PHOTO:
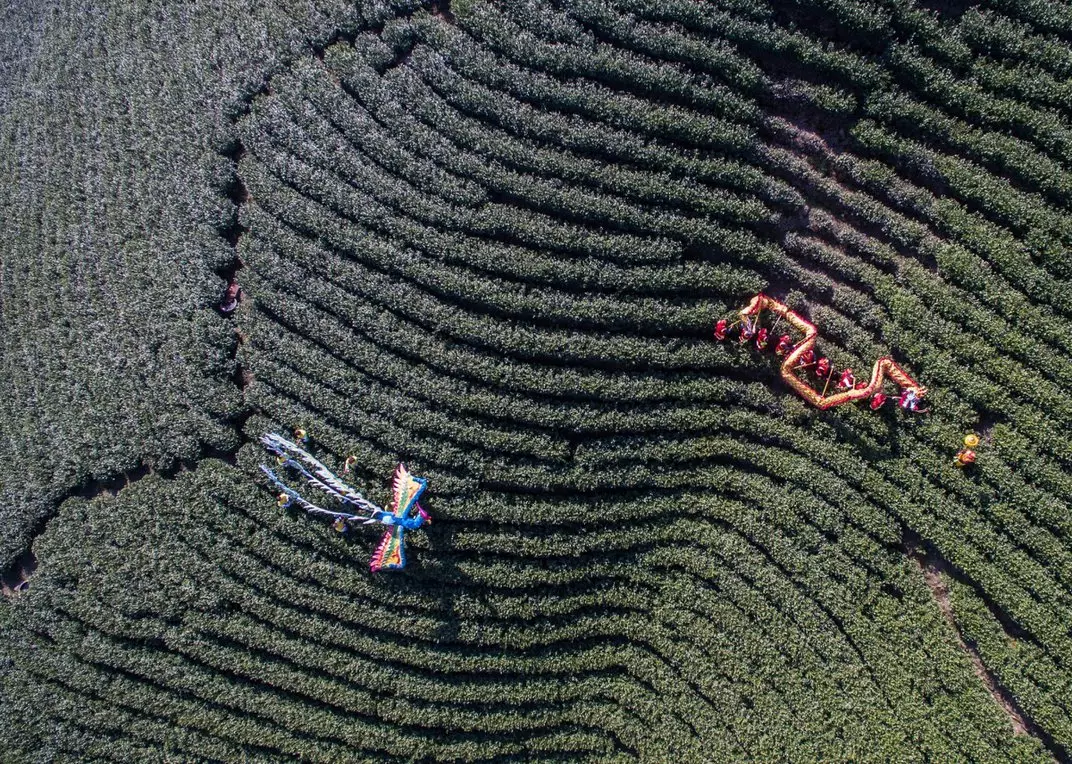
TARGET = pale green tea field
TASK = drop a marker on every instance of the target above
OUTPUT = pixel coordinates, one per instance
(492, 240)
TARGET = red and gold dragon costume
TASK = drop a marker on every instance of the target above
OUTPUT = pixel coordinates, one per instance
(885, 367)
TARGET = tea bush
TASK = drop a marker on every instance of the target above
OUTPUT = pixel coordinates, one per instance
(491, 240)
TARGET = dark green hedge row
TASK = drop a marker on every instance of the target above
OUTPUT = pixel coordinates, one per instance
(114, 203)
(492, 241)
(267, 599)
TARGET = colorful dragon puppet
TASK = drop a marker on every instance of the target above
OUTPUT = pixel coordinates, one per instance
(406, 514)
(801, 356)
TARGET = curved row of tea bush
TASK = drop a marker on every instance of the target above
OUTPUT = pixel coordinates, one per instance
(491, 241)
(117, 199)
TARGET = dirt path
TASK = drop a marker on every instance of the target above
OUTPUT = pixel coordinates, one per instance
(936, 570)
(16, 579)
(933, 570)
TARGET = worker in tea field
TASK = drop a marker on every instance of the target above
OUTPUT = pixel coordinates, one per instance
(966, 456)
(231, 297)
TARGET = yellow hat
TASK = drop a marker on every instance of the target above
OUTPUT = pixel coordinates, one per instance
(971, 440)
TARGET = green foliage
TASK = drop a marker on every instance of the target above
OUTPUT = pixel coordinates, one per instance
(491, 241)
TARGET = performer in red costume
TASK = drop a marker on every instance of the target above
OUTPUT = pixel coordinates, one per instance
(807, 358)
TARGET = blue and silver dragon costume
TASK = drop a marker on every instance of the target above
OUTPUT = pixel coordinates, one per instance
(405, 514)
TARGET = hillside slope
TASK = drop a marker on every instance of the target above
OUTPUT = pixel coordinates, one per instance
(491, 240)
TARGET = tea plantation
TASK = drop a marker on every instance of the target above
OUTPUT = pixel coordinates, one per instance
(491, 239)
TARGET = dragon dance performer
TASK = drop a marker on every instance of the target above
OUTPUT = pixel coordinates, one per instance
(807, 358)
(798, 357)
(748, 330)
(405, 514)
(910, 400)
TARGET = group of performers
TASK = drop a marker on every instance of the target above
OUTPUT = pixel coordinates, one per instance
(748, 330)
(349, 508)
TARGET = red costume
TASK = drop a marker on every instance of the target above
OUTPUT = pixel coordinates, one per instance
(230, 297)
(807, 358)
(720, 329)
(909, 401)
(965, 457)
(847, 380)
(761, 339)
(783, 346)
(822, 368)
(877, 400)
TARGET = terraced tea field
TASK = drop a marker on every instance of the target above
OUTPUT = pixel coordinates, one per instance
(491, 240)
